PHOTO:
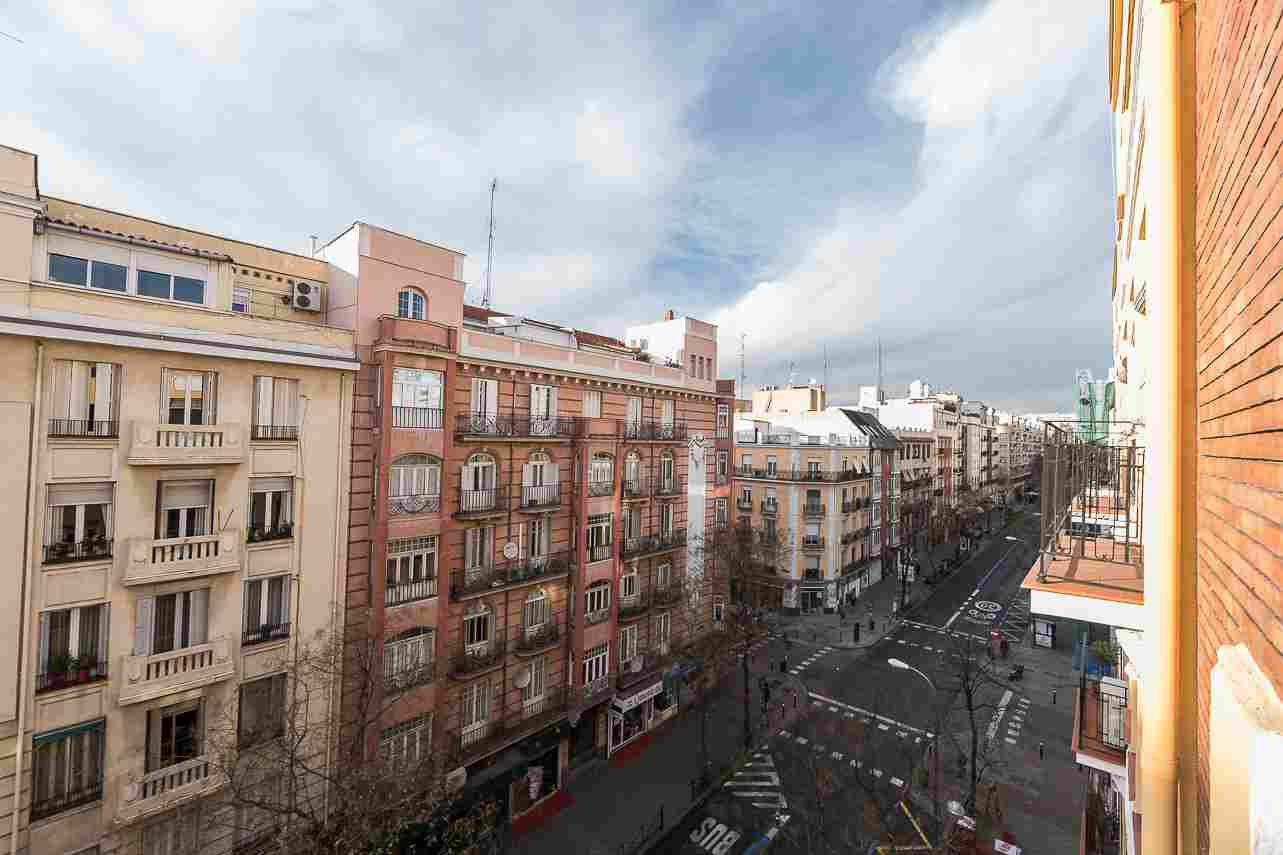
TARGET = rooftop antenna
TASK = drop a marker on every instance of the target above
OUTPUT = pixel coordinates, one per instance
(879, 371)
(743, 376)
(313, 237)
(826, 366)
(485, 295)
(792, 373)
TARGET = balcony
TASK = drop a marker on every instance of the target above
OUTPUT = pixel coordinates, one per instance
(636, 547)
(813, 543)
(631, 608)
(722, 478)
(637, 488)
(416, 503)
(536, 639)
(161, 789)
(813, 511)
(1091, 563)
(597, 616)
(597, 489)
(600, 552)
(397, 593)
(146, 560)
(418, 418)
(503, 574)
(155, 444)
(43, 808)
(395, 682)
(666, 595)
(516, 426)
(744, 504)
(469, 660)
(640, 667)
(669, 487)
(810, 476)
(474, 504)
(1102, 727)
(265, 632)
(540, 498)
(64, 672)
(273, 433)
(98, 549)
(852, 505)
(159, 674)
(769, 506)
(84, 428)
(653, 431)
(428, 335)
(594, 691)
(521, 719)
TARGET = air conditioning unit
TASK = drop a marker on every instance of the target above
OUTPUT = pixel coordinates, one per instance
(305, 296)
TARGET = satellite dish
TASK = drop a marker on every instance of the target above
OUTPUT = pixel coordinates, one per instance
(522, 679)
(510, 550)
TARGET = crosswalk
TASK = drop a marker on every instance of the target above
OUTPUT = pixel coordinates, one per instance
(758, 782)
(810, 660)
(843, 761)
(1016, 621)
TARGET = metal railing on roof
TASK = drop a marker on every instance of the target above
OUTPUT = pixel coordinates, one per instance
(1092, 494)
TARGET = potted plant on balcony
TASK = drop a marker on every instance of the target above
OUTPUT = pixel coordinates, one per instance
(255, 534)
(98, 545)
(81, 666)
(59, 550)
(59, 671)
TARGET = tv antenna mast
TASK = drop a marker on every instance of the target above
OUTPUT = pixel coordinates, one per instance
(743, 376)
(485, 295)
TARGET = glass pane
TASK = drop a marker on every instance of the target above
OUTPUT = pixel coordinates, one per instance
(64, 268)
(258, 511)
(196, 522)
(177, 397)
(153, 284)
(163, 640)
(276, 601)
(196, 383)
(59, 634)
(186, 735)
(173, 522)
(65, 524)
(95, 522)
(109, 277)
(189, 290)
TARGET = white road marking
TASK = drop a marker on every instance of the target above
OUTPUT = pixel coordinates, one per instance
(1001, 711)
(802, 740)
(1011, 741)
(877, 773)
(869, 715)
(882, 727)
(896, 782)
(836, 755)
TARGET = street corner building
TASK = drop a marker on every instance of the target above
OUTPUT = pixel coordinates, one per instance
(1160, 559)
(175, 411)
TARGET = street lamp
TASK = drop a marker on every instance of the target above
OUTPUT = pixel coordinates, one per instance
(935, 737)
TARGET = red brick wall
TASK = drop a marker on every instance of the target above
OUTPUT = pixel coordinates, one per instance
(1239, 258)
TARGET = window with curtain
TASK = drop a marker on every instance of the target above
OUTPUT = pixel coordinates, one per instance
(276, 410)
(79, 523)
(66, 769)
(592, 404)
(271, 509)
(72, 646)
(184, 508)
(414, 485)
(84, 399)
(478, 630)
(188, 397)
(167, 622)
(417, 397)
(267, 609)
(411, 570)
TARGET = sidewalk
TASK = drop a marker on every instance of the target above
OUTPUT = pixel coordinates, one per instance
(632, 793)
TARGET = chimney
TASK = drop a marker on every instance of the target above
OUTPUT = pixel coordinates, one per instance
(668, 315)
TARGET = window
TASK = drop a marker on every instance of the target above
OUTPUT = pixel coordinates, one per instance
(538, 535)
(666, 415)
(812, 469)
(184, 508)
(477, 630)
(770, 465)
(407, 660)
(746, 495)
(746, 461)
(723, 421)
(414, 485)
(539, 480)
(477, 484)
(627, 645)
(175, 734)
(592, 404)
(78, 526)
(663, 575)
(478, 549)
(66, 769)
(543, 410)
(407, 743)
(85, 399)
(410, 304)
(723, 465)
(597, 663)
(812, 569)
(719, 606)
(667, 476)
(596, 599)
(72, 646)
(167, 622)
(628, 587)
(812, 500)
(694, 372)
(271, 509)
(188, 397)
(634, 412)
(242, 299)
(663, 632)
(536, 612)
(262, 710)
(475, 710)
(532, 694)
(417, 398)
(175, 833)
(485, 400)
(275, 408)
(70, 270)
(411, 570)
(721, 511)
(666, 516)
(166, 286)
(599, 537)
(601, 475)
(267, 609)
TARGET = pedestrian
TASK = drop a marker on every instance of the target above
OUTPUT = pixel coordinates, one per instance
(1042, 746)
(786, 661)
(794, 699)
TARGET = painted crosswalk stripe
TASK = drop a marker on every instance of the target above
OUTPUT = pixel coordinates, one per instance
(896, 782)
(877, 773)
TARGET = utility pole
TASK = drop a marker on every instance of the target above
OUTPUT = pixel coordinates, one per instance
(485, 295)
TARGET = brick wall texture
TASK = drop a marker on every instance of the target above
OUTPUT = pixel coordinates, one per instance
(1239, 258)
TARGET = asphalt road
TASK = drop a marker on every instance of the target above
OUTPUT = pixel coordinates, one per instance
(870, 725)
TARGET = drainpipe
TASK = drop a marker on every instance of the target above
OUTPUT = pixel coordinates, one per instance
(24, 642)
(1165, 436)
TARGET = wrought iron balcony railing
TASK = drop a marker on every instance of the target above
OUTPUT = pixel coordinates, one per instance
(89, 428)
(96, 549)
(472, 658)
(276, 433)
(479, 502)
(541, 496)
(653, 431)
(517, 426)
(633, 607)
(419, 418)
(417, 503)
(518, 571)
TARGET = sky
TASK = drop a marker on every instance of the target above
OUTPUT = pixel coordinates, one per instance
(815, 176)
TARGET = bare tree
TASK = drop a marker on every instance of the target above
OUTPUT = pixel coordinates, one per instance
(973, 681)
(287, 788)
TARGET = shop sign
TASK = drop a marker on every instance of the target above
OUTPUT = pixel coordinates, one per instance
(625, 704)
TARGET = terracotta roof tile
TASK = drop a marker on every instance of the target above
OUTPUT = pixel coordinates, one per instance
(142, 239)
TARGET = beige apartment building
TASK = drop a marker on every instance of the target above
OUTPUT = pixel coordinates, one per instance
(821, 483)
(175, 412)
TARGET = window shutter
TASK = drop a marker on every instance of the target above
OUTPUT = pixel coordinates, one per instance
(104, 631)
(284, 402)
(79, 401)
(144, 612)
(80, 494)
(252, 599)
(286, 589)
(263, 400)
(433, 485)
(42, 650)
(667, 413)
(104, 391)
(184, 494)
(210, 400)
(550, 473)
(61, 404)
(528, 478)
(260, 485)
(200, 616)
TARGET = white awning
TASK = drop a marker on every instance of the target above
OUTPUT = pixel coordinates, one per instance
(625, 704)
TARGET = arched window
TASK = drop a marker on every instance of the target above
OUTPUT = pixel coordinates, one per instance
(536, 611)
(477, 484)
(601, 475)
(410, 304)
(539, 481)
(632, 471)
(414, 484)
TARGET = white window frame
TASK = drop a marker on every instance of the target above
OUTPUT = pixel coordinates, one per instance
(275, 496)
(532, 693)
(276, 402)
(400, 565)
(414, 475)
(592, 404)
(478, 631)
(627, 644)
(191, 621)
(85, 391)
(90, 263)
(194, 520)
(258, 604)
(536, 611)
(629, 587)
(209, 396)
(601, 469)
(597, 663)
(721, 511)
(407, 743)
(474, 707)
(667, 471)
(172, 277)
(243, 298)
(633, 413)
(600, 530)
(407, 657)
(478, 548)
(723, 421)
(663, 632)
(723, 464)
(485, 398)
(411, 304)
(596, 598)
(663, 575)
(416, 388)
(63, 497)
(76, 644)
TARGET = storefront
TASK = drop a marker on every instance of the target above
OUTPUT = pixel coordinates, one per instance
(522, 776)
(812, 598)
(633, 715)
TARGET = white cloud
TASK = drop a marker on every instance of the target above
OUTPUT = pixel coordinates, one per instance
(100, 28)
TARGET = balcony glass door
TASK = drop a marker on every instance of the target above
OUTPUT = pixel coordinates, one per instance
(184, 509)
(543, 410)
(174, 735)
(539, 536)
(188, 397)
(485, 404)
(169, 622)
